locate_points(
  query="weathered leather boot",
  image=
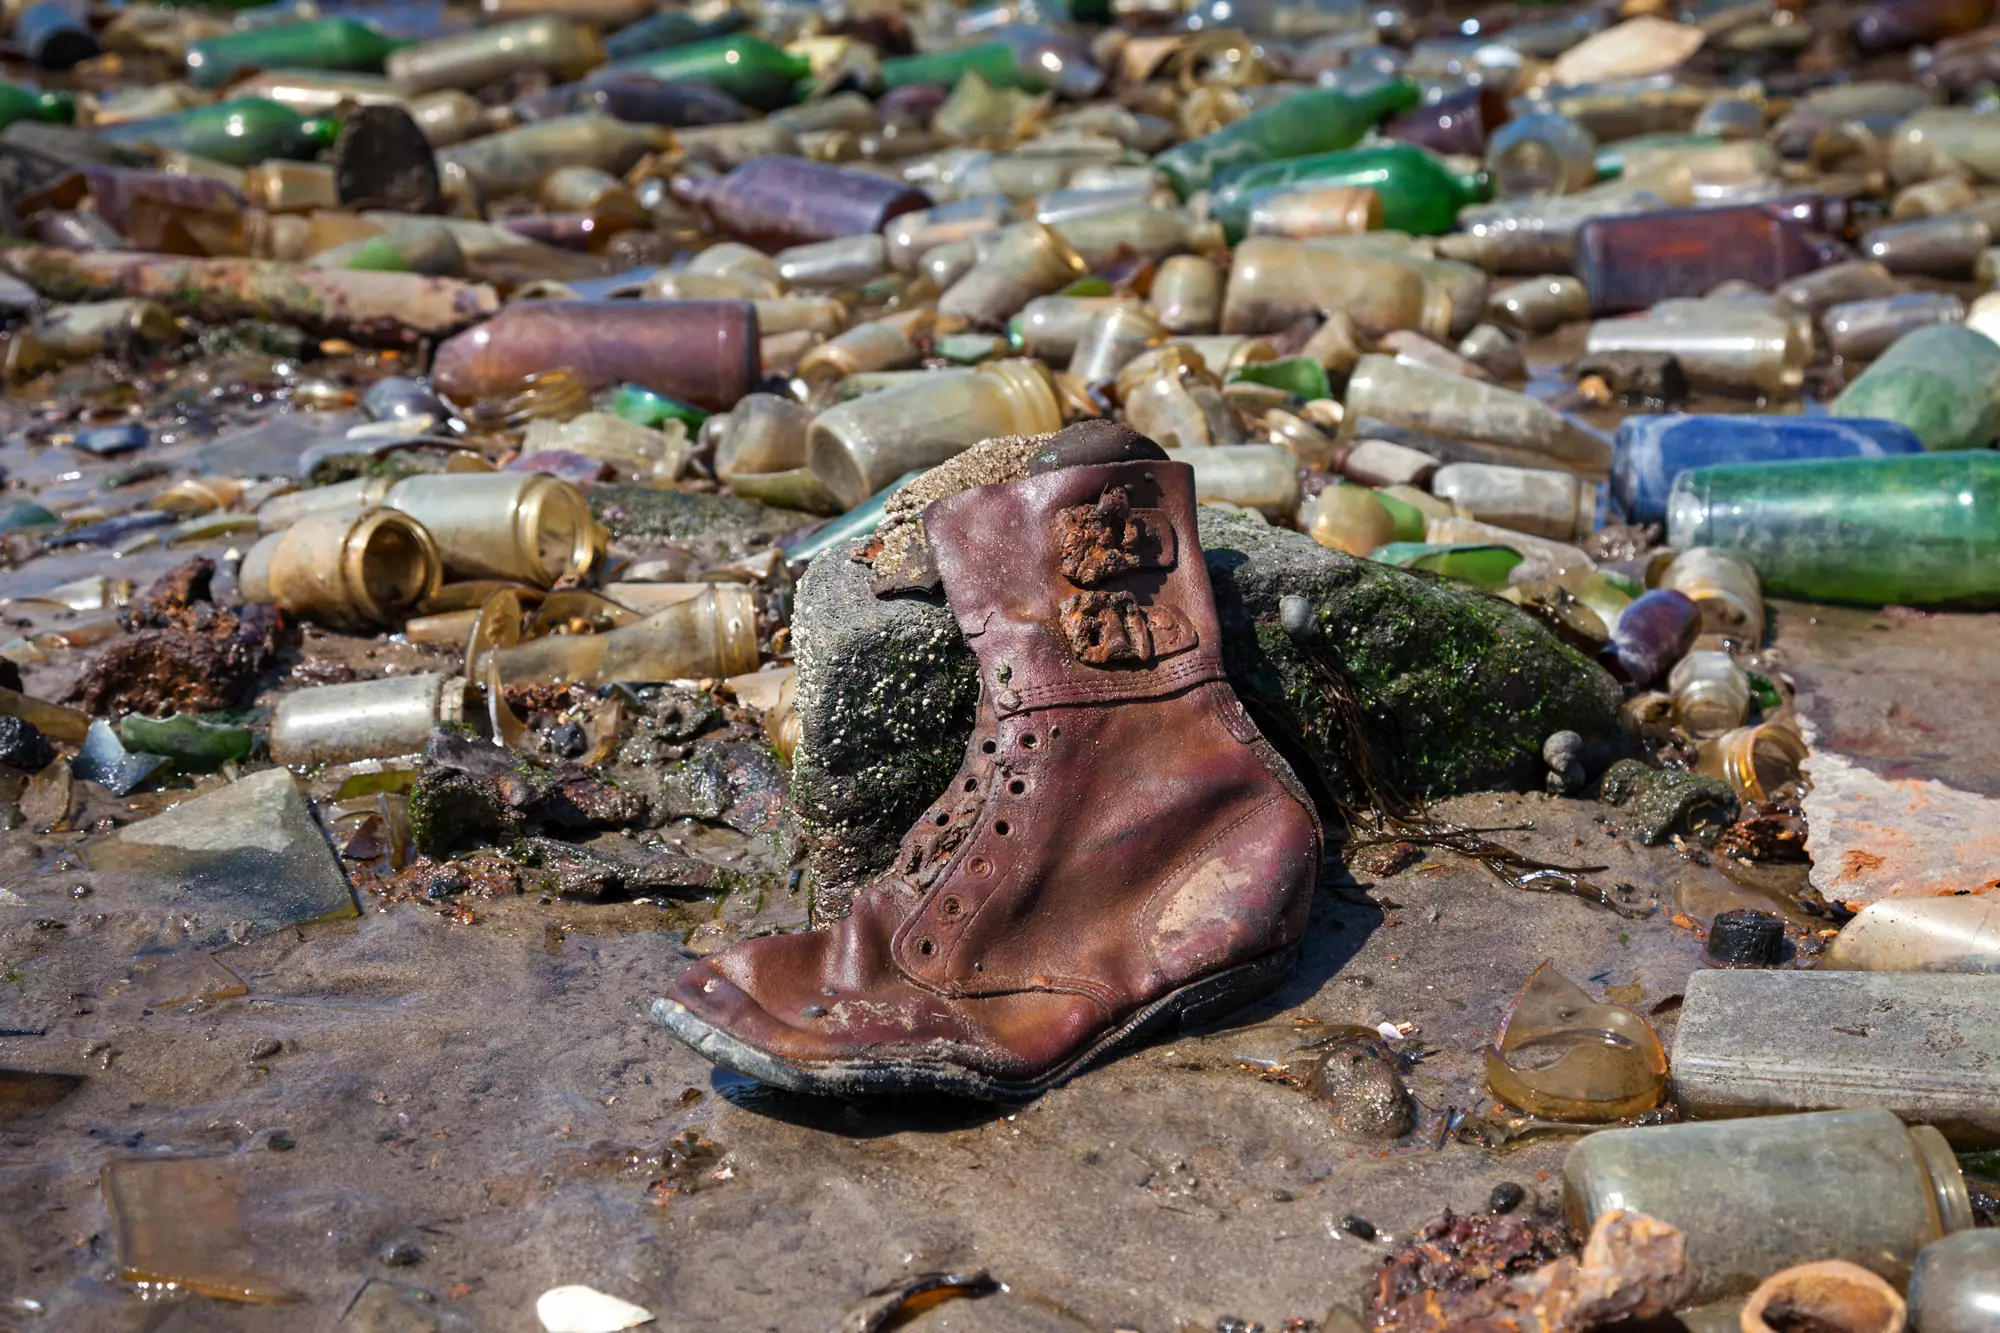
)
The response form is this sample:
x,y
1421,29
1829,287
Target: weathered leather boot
x,y
1120,850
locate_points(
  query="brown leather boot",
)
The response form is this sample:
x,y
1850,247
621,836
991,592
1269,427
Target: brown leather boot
x,y
1120,850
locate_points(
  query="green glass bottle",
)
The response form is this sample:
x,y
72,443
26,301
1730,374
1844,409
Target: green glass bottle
x,y
344,44
1300,376
638,404
241,132
1420,193
18,103
748,68
1907,529
1942,381
994,62
1319,120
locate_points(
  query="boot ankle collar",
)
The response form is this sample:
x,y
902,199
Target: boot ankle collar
x,y
1083,585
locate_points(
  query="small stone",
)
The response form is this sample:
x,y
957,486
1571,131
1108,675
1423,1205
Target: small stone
x,y
265,1047
280,1141
1562,749
22,746
1358,1080
583,1310
1295,613
1506,1197
569,740
1359,1227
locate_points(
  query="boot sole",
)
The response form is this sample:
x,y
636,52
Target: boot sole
x,y
1193,1005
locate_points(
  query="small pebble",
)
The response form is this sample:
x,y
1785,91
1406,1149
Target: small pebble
x,y
1506,1197
265,1047
1358,1227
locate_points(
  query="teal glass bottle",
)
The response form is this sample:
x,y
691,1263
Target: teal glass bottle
x,y
748,68
668,29
1420,193
1319,120
332,44
241,132
1942,381
1907,529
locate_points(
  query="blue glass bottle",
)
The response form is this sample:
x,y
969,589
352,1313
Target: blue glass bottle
x,y
1649,451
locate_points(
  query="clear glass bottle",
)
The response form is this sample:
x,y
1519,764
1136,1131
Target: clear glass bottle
x,y
1858,331
1325,210
860,446
1537,305
1541,153
1711,693
1351,519
365,719
1722,346
892,342
1464,420
1264,477
1726,588
1559,505
1955,1286
711,634
1274,282
1114,337
1955,934
1187,295
549,44
1030,260
910,236
1758,1196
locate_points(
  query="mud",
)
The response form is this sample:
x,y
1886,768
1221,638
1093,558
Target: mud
x,y
448,1063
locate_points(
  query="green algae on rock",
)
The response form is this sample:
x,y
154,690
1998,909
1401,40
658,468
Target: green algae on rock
x,y
1664,801
1452,690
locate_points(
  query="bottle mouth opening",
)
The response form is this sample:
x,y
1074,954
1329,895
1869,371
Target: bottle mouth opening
x,y
1949,1195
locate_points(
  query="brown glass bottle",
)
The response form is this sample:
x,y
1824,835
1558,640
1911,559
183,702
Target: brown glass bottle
x,y
701,352
1897,25
1634,261
782,201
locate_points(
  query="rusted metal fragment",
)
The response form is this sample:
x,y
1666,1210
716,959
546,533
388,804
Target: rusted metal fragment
x,y
371,307
186,654
1633,1267
1106,628
1099,542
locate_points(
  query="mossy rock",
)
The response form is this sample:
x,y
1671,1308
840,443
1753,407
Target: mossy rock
x,y
714,525
1450,690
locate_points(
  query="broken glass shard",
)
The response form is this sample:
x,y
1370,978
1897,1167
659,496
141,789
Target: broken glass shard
x,y
176,1225
250,855
1563,1056
105,761
163,980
